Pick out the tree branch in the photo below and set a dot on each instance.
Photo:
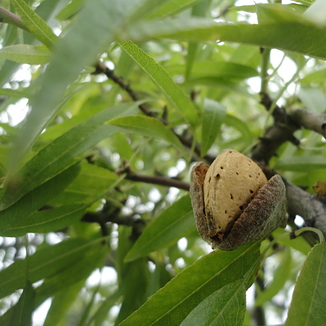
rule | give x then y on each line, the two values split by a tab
285	124
301	203
280	132
311	209
158	180
310	120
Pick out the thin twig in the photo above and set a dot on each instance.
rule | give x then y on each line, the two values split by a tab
10	18
158	180
101	68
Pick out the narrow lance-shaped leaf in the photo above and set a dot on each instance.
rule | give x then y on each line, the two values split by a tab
173	7
193	285
61	303
217	69
167	228
44	263
240	125
37	26
93	257
35	199
69	10
17	94
47	220
24	53
90	34
309	299
92	183
224	307
213	116
147	8
199	10
316	13
101	313
301	163
281	275
149	127
24	308
302	36
163	80
61	152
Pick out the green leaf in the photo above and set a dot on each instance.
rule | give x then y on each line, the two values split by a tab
316	13
301	163
299	243
164	230
14	93
61	152
24	308
225	306
150	127
240	125
218	69
148	7
199	10
193	285
302	36
47	220
35	199
277	12
44	263
44	9
312	98
24	53
280	276
152	9
173	7
69	10
315	77
61	302
87	310
213	116
163	80
309	299
89	35
101	314
78	270
37	26
91	183
133	277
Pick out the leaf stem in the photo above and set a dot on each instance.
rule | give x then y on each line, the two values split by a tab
8	17
265	54
309	229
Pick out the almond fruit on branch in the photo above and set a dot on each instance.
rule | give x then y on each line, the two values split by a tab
234	203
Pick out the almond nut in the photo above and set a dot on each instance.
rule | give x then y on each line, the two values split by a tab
234	203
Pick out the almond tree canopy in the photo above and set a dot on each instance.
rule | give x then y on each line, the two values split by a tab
106	106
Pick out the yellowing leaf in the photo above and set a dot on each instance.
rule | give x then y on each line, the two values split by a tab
320	189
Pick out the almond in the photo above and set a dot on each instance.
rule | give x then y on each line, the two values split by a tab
231	182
